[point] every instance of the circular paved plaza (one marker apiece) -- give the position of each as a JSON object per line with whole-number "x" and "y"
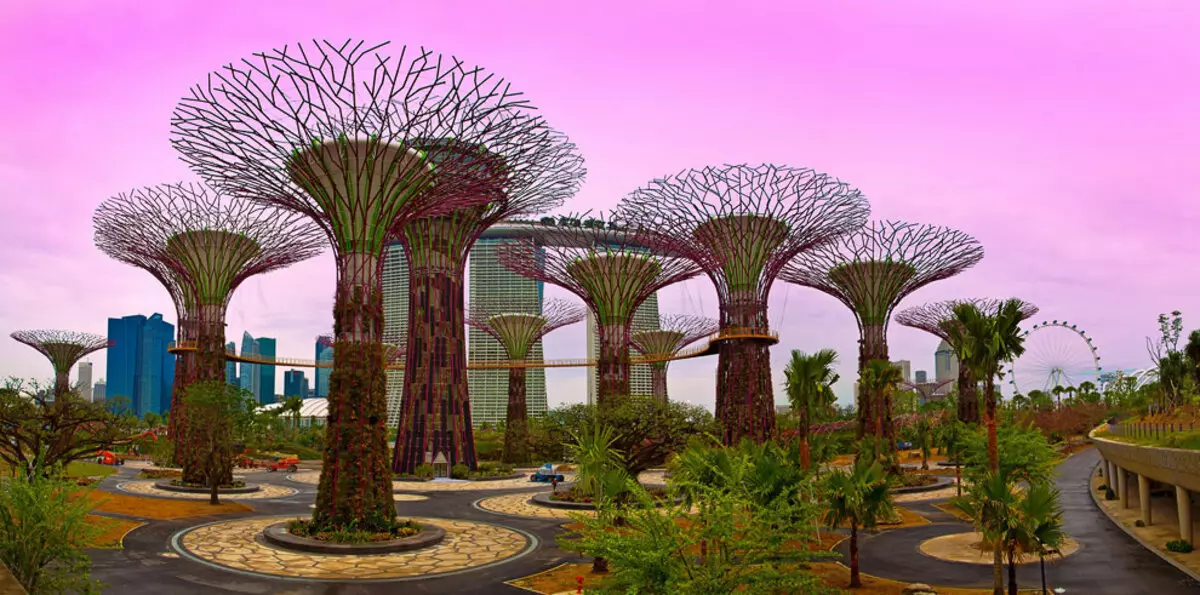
{"x": 146, "y": 488}
{"x": 520, "y": 505}
{"x": 967, "y": 548}
{"x": 238, "y": 545}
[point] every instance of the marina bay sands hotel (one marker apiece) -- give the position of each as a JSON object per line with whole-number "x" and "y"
{"x": 490, "y": 281}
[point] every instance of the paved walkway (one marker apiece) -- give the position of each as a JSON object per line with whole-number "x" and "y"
{"x": 1108, "y": 560}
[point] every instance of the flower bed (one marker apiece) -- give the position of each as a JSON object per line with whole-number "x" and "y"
{"x": 406, "y": 536}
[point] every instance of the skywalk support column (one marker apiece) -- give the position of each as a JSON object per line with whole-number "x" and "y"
{"x": 1144, "y": 497}
{"x": 1122, "y": 486}
{"x": 1183, "y": 504}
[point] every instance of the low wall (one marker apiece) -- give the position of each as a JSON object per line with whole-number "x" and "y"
{"x": 1167, "y": 465}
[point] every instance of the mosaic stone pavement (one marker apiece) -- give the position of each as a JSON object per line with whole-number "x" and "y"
{"x": 964, "y": 547}
{"x": 519, "y": 505}
{"x": 941, "y": 494}
{"x": 234, "y": 544}
{"x": 146, "y": 488}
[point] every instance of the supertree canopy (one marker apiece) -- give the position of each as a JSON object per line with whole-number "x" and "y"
{"x": 541, "y": 169}
{"x": 612, "y": 270}
{"x": 741, "y": 224}
{"x": 517, "y": 332}
{"x": 201, "y": 246}
{"x": 937, "y": 318}
{"x": 362, "y": 141}
{"x": 870, "y": 271}
{"x": 675, "y": 331}
{"x": 64, "y": 349}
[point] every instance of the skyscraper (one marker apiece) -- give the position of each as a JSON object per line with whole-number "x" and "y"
{"x": 321, "y": 375}
{"x": 905, "y": 369}
{"x": 139, "y": 366}
{"x": 645, "y": 318}
{"x": 295, "y": 384}
{"x": 98, "y": 392}
{"x": 248, "y": 377}
{"x": 492, "y": 283}
{"x": 85, "y": 380}
{"x": 921, "y": 377}
{"x": 945, "y": 364}
{"x": 266, "y": 383}
{"x": 395, "y": 320}
{"x": 231, "y": 366}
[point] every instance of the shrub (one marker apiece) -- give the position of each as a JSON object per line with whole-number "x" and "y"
{"x": 351, "y": 535}
{"x": 42, "y": 535}
{"x": 1109, "y": 494}
{"x": 162, "y": 453}
{"x": 1139, "y": 523}
{"x": 459, "y": 471}
{"x": 425, "y": 470}
{"x": 160, "y": 474}
{"x": 1179, "y": 546}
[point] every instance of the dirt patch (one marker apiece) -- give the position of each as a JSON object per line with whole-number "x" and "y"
{"x": 561, "y": 578}
{"x": 157, "y": 508}
{"x": 837, "y": 576}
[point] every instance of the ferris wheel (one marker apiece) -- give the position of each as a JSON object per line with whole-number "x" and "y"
{"x": 1057, "y": 353}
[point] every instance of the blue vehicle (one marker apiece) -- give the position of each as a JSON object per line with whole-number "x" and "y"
{"x": 546, "y": 475}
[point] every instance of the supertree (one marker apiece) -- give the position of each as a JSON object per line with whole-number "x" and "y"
{"x": 362, "y": 142}
{"x": 937, "y": 318}
{"x": 201, "y": 246}
{"x": 541, "y": 170}
{"x": 870, "y": 271}
{"x": 612, "y": 270}
{"x": 675, "y": 331}
{"x": 741, "y": 224}
{"x": 517, "y": 332}
{"x": 64, "y": 349}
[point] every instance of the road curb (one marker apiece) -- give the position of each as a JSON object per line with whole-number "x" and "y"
{"x": 1096, "y": 502}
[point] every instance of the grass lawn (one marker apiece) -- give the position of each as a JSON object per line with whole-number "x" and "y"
{"x": 114, "y": 531}
{"x": 77, "y": 469}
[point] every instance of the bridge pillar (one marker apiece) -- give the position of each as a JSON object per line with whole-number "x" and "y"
{"x": 1144, "y": 497}
{"x": 1122, "y": 486}
{"x": 1183, "y": 504}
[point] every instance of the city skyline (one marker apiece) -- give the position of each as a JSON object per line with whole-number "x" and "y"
{"x": 1053, "y": 178}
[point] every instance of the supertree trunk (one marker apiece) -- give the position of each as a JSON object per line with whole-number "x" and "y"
{"x": 614, "y": 364}
{"x": 658, "y": 382}
{"x": 208, "y": 365}
{"x": 185, "y": 376}
{"x": 744, "y": 393}
{"x": 356, "y": 488}
{"x": 875, "y": 410}
{"x": 968, "y": 396}
{"x": 516, "y": 424}
{"x": 436, "y": 417}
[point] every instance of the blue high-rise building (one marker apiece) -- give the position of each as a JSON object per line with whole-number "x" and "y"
{"x": 295, "y": 384}
{"x": 231, "y": 366}
{"x": 248, "y": 377}
{"x": 139, "y": 367}
{"x": 324, "y": 353}
{"x": 266, "y": 383}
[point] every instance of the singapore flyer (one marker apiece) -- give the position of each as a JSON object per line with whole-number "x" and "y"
{"x": 1057, "y": 353}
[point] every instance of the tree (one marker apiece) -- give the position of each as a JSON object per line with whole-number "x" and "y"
{"x": 808, "y": 380}
{"x": 152, "y": 420}
{"x": 877, "y": 384}
{"x": 860, "y": 498}
{"x": 986, "y": 340}
{"x": 599, "y": 473}
{"x": 1040, "y": 529}
{"x": 1192, "y": 351}
{"x": 1172, "y": 364}
{"x": 44, "y": 433}
{"x": 1058, "y": 391}
{"x": 215, "y": 410}
{"x": 1024, "y": 454}
{"x": 922, "y": 431}
{"x": 991, "y": 503}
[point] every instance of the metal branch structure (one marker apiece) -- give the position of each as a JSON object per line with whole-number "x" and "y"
{"x": 937, "y": 318}
{"x": 64, "y": 349}
{"x": 675, "y": 331}
{"x": 871, "y": 271}
{"x": 201, "y": 246}
{"x": 518, "y": 332}
{"x": 613, "y": 271}
{"x": 362, "y": 140}
{"x": 542, "y": 169}
{"x": 741, "y": 224}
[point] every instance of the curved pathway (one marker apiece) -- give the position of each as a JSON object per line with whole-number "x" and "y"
{"x": 1108, "y": 561}
{"x": 148, "y": 565}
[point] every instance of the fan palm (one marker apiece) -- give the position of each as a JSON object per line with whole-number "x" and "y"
{"x": 808, "y": 381}
{"x": 985, "y": 341}
{"x": 992, "y": 504}
{"x": 1040, "y": 529}
{"x": 859, "y": 498}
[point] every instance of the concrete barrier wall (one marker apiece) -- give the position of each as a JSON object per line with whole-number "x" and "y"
{"x": 1168, "y": 465}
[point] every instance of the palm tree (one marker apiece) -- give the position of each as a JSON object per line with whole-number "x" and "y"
{"x": 860, "y": 498}
{"x": 600, "y": 471}
{"x": 808, "y": 380}
{"x": 1041, "y": 528}
{"x": 923, "y": 432}
{"x": 1057, "y": 391}
{"x": 1087, "y": 391}
{"x": 992, "y": 505}
{"x": 292, "y": 407}
{"x": 878, "y": 380}
{"x": 985, "y": 341}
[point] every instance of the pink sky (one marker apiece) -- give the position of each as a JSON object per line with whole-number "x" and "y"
{"x": 1063, "y": 135}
